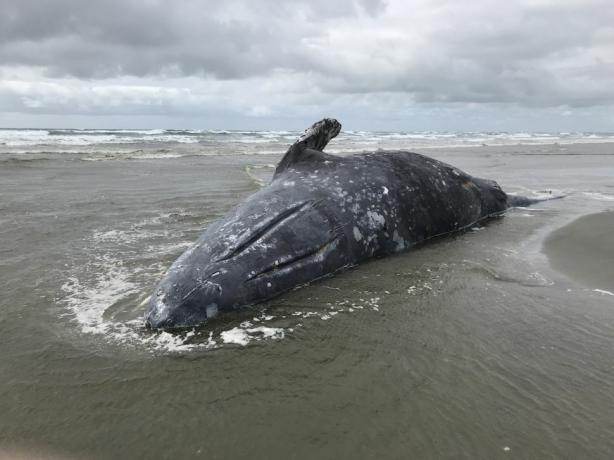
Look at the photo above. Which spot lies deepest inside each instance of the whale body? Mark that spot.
(320, 214)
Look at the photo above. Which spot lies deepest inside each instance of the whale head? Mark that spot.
(259, 250)
(186, 298)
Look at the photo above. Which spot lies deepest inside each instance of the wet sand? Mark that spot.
(584, 250)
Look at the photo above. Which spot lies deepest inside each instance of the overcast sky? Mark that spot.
(441, 65)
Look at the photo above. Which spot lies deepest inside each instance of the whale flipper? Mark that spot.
(308, 147)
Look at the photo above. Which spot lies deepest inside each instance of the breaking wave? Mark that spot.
(87, 137)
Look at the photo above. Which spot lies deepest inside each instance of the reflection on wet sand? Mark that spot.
(584, 250)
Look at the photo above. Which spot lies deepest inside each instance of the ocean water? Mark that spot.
(100, 144)
(468, 347)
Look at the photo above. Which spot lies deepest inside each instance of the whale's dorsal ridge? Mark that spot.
(308, 147)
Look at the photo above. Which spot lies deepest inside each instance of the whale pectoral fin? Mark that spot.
(308, 147)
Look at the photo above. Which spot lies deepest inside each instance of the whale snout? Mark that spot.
(169, 309)
(168, 322)
(167, 317)
(252, 257)
(160, 316)
(162, 313)
(152, 322)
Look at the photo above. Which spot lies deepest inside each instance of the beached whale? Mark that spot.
(319, 215)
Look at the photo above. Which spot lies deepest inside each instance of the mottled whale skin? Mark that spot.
(319, 215)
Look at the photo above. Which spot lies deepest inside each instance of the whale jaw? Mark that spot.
(163, 315)
(183, 300)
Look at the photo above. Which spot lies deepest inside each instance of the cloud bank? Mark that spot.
(441, 65)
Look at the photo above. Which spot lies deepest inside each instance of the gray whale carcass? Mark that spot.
(320, 214)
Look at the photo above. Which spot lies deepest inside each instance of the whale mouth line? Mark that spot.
(265, 227)
(312, 253)
(201, 284)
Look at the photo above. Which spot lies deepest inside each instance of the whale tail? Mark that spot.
(495, 200)
(515, 201)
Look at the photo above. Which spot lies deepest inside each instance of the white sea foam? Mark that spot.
(602, 291)
(84, 137)
(154, 156)
(92, 291)
(599, 196)
(244, 335)
(88, 302)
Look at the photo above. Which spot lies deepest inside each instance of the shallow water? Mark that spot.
(468, 347)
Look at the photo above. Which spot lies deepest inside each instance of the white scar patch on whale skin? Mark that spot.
(357, 234)
(400, 242)
(212, 310)
(375, 219)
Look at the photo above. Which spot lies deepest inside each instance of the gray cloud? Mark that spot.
(230, 39)
(290, 59)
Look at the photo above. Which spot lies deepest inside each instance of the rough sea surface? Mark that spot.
(494, 343)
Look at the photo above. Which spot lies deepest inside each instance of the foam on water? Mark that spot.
(89, 299)
(88, 302)
(244, 335)
(425, 139)
(103, 291)
(154, 156)
(599, 196)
